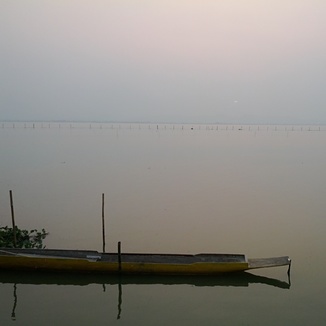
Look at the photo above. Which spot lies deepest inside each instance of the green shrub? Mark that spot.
(24, 238)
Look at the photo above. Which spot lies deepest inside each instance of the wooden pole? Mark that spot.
(119, 255)
(103, 225)
(13, 218)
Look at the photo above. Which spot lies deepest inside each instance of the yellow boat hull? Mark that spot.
(81, 265)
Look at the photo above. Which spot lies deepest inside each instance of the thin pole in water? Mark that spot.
(13, 218)
(103, 225)
(119, 255)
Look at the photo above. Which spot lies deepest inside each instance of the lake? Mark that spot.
(257, 190)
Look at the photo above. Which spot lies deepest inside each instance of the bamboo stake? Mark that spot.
(13, 218)
(119, 255)
(103, 225)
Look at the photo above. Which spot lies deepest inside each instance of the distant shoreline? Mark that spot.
(165, 122)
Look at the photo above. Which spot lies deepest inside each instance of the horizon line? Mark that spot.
(158, 122)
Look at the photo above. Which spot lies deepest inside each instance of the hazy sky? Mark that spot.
(237, 61)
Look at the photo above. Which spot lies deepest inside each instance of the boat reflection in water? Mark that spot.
(240, 279)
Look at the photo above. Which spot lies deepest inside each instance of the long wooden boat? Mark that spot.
(87, 261)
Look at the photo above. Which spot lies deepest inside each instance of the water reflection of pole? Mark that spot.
(13, 313)
(119, 299)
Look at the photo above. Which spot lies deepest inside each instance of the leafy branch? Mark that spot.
(24, 238)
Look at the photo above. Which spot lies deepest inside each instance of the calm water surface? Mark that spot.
(179, 189)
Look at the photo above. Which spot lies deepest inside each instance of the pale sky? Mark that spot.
(207, 61)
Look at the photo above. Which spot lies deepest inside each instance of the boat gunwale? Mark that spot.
(125, 257)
